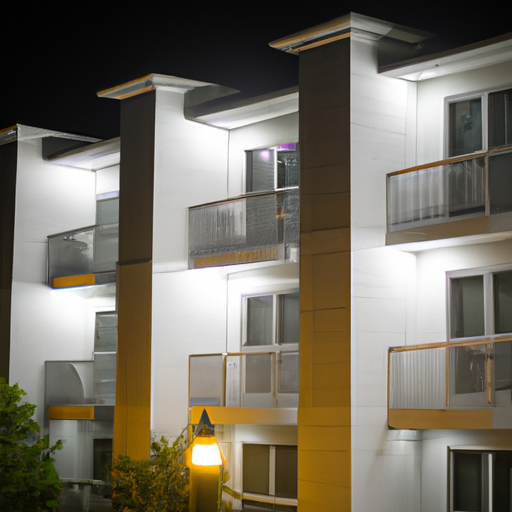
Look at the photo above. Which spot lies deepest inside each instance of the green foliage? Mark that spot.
(28, 479)
(156, 485)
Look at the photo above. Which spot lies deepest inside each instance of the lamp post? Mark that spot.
(206, 466)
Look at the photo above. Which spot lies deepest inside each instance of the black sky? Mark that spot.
(56, 57)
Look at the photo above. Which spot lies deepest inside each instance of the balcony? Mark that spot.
(84, 256)
(255, 387)
(464, 385)
(247, 229)
(452, 198)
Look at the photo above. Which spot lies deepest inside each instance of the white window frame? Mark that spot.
(484, 98)
(489, 324)
(275, 346)
(272, 148)
(487, 473)
(272, 477)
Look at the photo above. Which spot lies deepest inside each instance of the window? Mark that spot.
(270, 470)
(272, 168)
(466, 123)
(480, 302)
(271, 320)
(480, 481)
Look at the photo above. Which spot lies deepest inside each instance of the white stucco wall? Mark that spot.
(193, 310)
(48, 324)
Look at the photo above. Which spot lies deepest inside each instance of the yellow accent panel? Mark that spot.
(322, 438)
(133, 388)
(69, 281)
(329, 466)
(76, 412)
(244, 415)
(319, 496)
(471, 419)
(324, 416)
(234, 258)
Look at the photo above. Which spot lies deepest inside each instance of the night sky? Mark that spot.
(55, 59)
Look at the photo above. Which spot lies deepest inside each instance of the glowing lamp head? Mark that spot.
(206, 452)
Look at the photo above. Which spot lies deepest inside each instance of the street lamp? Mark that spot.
(206, 467)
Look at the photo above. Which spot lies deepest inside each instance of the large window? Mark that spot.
(466, 128)
(480, 302)
(271, 320)
(481, 481)
(270, 470)
(272, 168)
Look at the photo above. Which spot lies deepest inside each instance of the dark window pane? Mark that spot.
(502, 499)
(503, 365)
(465, 127)
(470, 369)
(260, 170)
(256, 468)
(287, 166)
(467, 307)
(503, 302)
(467, 481)
(286, 471)
(289, 318)
(500, 182)
(500, 118)
(259, 320)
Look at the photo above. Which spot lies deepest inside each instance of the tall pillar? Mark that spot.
(8, 164)
(132, 417)
(324, 467)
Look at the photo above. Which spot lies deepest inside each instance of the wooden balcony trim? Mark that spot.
(463, 419)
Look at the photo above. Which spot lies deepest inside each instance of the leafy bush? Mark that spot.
(156, 485)
(28, 479)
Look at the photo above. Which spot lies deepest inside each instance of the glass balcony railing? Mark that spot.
(476, 375)
(252, 228)
(256, 379)
(89, 250)
(449, 190)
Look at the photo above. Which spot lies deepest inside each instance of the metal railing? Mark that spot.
(471, 374)
(255, 379)
(92, 249)
(466, 187)
(251, 228)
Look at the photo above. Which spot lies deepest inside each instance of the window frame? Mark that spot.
(487, 274)
(275, 345)
(275, 150)
(272, 474)
(487, 475)
(484, 96)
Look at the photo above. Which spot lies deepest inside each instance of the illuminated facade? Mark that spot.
(395, 272)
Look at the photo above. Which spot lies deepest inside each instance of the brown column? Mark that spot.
(134, 278)
(8, 163)
(325, 276)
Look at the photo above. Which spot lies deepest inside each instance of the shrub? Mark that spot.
(28, 479)
(156, 485)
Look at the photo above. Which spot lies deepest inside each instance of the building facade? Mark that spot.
(347, 327)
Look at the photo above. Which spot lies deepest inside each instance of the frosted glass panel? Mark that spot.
(71, 253)
(206, 380)
(417, 379)
(289, 372)
(244, 229)
(258, 373)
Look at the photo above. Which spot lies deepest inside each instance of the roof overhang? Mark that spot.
(465, 58)
(343, 27)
